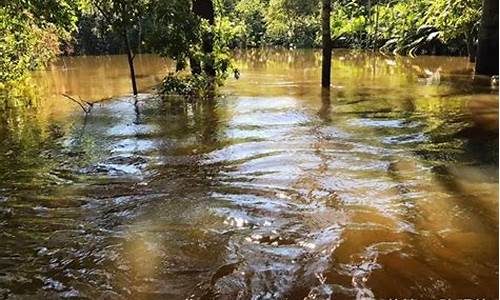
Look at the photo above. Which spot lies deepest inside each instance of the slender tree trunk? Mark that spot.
(139, 39)
(487, 52)
(130, 58)
(370, 25)
(375, 34)
(327, 43)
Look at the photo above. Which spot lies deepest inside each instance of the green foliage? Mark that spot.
(348, 24)
(189, 87)
(30, 34)
(31, 30)
(420, 25)
(404, 27)
(94, 37)
(179, 34)
(455, 19)
(176, 31)
(293, 23)
(24, 46)
(121, 15)
(224, 33)
(18, 95)
(251, 16)
(229, 32)
(108, 26)
(289, 23)
(63, 14)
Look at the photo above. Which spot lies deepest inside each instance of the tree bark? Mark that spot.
(471, 49)
(370, 25)
(327, 43)
(195, 65)
(487, 52)
(130, 58)
(375, 34)
(205, 10)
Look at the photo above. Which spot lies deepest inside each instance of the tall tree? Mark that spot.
(487, 52)
(327, 43)
(122, 16)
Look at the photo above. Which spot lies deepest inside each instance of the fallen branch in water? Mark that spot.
(81, 103)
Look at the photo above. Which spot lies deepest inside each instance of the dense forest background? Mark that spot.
(33, 32)
(416, 27)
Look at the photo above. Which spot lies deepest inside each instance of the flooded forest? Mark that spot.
(249, 149)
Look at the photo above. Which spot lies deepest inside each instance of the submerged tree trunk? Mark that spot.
(205, 10)
(130, 58)
(327, 43)
(487, 52)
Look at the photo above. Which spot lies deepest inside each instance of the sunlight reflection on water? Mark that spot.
(276, 191)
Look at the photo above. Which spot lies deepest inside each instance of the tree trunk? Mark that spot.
(139, 38)
(471, 49)
(487, 52)
(327, 43)
(195, 65)
(205, 10)
(208, 48)
(130, 58)
(370, 26)
(375, 34)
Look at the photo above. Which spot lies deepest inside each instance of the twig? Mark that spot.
(85, 109)
(101, 100)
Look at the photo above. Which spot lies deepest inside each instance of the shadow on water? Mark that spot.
(277, 191)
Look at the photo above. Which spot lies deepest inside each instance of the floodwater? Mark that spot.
(387, 187)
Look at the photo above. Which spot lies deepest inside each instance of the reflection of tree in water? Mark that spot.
(24, 135)
(194, 131)
(256, 59)
(137, 228)
(197, 120)
(476, 134)
(456, 142)
(34, 181)
(189, 132)
(449, 138)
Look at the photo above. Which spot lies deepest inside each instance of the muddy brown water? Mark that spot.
(385, 188)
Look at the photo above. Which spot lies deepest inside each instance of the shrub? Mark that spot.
(190, 87)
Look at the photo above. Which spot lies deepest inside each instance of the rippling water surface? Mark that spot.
(387, 187)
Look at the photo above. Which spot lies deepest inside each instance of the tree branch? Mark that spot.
(104, 14)
(85, 109)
